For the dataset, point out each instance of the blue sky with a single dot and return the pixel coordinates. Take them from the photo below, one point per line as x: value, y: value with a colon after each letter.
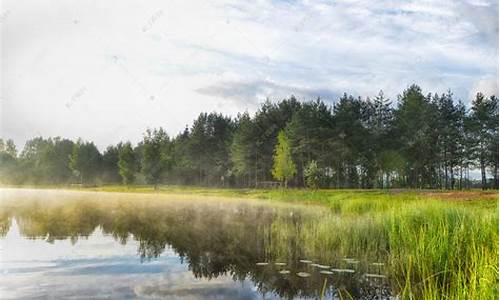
x: 107, y: 71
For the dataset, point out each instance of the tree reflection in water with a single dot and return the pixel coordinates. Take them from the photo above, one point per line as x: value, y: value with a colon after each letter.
x: 213, y: 237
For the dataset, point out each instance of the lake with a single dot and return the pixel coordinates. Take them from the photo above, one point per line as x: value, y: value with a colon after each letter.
x: 67, y: 244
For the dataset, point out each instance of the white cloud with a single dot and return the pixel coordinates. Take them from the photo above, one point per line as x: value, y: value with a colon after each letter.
x: 106, y: 71
x: 486, y: 85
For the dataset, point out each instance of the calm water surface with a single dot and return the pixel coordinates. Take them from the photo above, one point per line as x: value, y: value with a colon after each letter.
x: 81, y: 245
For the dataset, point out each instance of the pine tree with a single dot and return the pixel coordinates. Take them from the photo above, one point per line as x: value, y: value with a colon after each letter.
x: 127, y: 163
x: 155, y: 155
x: 85, y: 160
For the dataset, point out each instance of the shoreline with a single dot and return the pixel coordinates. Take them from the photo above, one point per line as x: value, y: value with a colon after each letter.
x: 299, y: 195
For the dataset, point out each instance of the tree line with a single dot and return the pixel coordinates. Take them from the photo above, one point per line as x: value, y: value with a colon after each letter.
x: 420, y: 141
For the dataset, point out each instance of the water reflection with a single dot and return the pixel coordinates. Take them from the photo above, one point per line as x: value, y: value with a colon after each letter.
x: 119, y: 246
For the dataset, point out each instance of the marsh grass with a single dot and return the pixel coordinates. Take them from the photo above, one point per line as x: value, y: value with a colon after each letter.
x: 432, y: 249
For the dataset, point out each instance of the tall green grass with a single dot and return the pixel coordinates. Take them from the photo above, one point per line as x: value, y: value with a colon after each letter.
x: 434, y: 249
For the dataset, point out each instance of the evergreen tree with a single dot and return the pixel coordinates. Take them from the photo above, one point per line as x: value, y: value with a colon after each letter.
x: 8, y: 162
x: 156, y: 159
x: 110, y: 170
x: 85, y: 161
x: 8, y: 147
x: 183, y: 168
x: 484, y: 134
x: 351, y: 140
x: 415, y: 130
x: 379, y: 115
x: 424, y: 141
x: 310, y: 131
x: 127, y: 163
x: 209, y: 143
x: 245, y: 150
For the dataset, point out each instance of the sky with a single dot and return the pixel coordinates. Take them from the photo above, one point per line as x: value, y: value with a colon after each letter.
x: 107, y: 70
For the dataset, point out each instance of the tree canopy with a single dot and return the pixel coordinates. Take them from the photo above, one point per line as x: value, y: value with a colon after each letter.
x: 418, y: 141
x: 284, y: 168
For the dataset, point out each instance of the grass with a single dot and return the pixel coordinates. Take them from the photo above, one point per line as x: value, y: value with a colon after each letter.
x: 437, y: 245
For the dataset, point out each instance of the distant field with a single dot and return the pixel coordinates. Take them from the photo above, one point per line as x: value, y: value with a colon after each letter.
x: 323, y: 196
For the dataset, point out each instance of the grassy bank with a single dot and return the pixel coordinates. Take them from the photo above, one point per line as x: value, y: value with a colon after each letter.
x: 439, y: 245
x: 436, y: 244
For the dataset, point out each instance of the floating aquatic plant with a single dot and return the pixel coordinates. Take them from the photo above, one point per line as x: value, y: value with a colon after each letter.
x: 343, y: 270
x: 374, y: 275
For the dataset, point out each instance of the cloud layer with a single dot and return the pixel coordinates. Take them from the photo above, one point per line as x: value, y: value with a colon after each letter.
x: 107, y: 71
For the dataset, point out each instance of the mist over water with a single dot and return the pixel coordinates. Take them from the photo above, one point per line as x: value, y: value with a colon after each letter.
x: 57, y: 244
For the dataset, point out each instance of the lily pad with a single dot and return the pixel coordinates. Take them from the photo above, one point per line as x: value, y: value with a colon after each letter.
x: 284, y: 272
x: 326, y: 272
x: 374, y: 275
x: 262, y: 264
x: 305, y: 261
x: 343, y: 270
x: 303, y: 274
x: 378, y: 264
x: 323, y: 266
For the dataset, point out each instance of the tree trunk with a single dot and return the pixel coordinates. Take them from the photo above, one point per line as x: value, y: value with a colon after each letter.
x: 460, y: 183
x: 452, y: 178
x: 495, y: 177
x: 256, y: 168
x: 483, y: 175
x: 445, y: 176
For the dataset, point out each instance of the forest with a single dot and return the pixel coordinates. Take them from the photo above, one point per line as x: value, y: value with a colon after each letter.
x: 418, y: 141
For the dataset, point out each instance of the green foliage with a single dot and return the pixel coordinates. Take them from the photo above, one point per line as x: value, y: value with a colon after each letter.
x: 311, y: 134
x: 85, y: 161
x: 423, y: 141
x: 414, y: 123
x: 208, y: 147
x: 313, y: 175
x: 8, y: 147
x: 109, y: 168
x: 483, y: 128
x: 244, y: 148
x: 8, y: 162
x: 284, y: 168
x: 156, y: 157
x: 127, y: 163
x: 41, y: 161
